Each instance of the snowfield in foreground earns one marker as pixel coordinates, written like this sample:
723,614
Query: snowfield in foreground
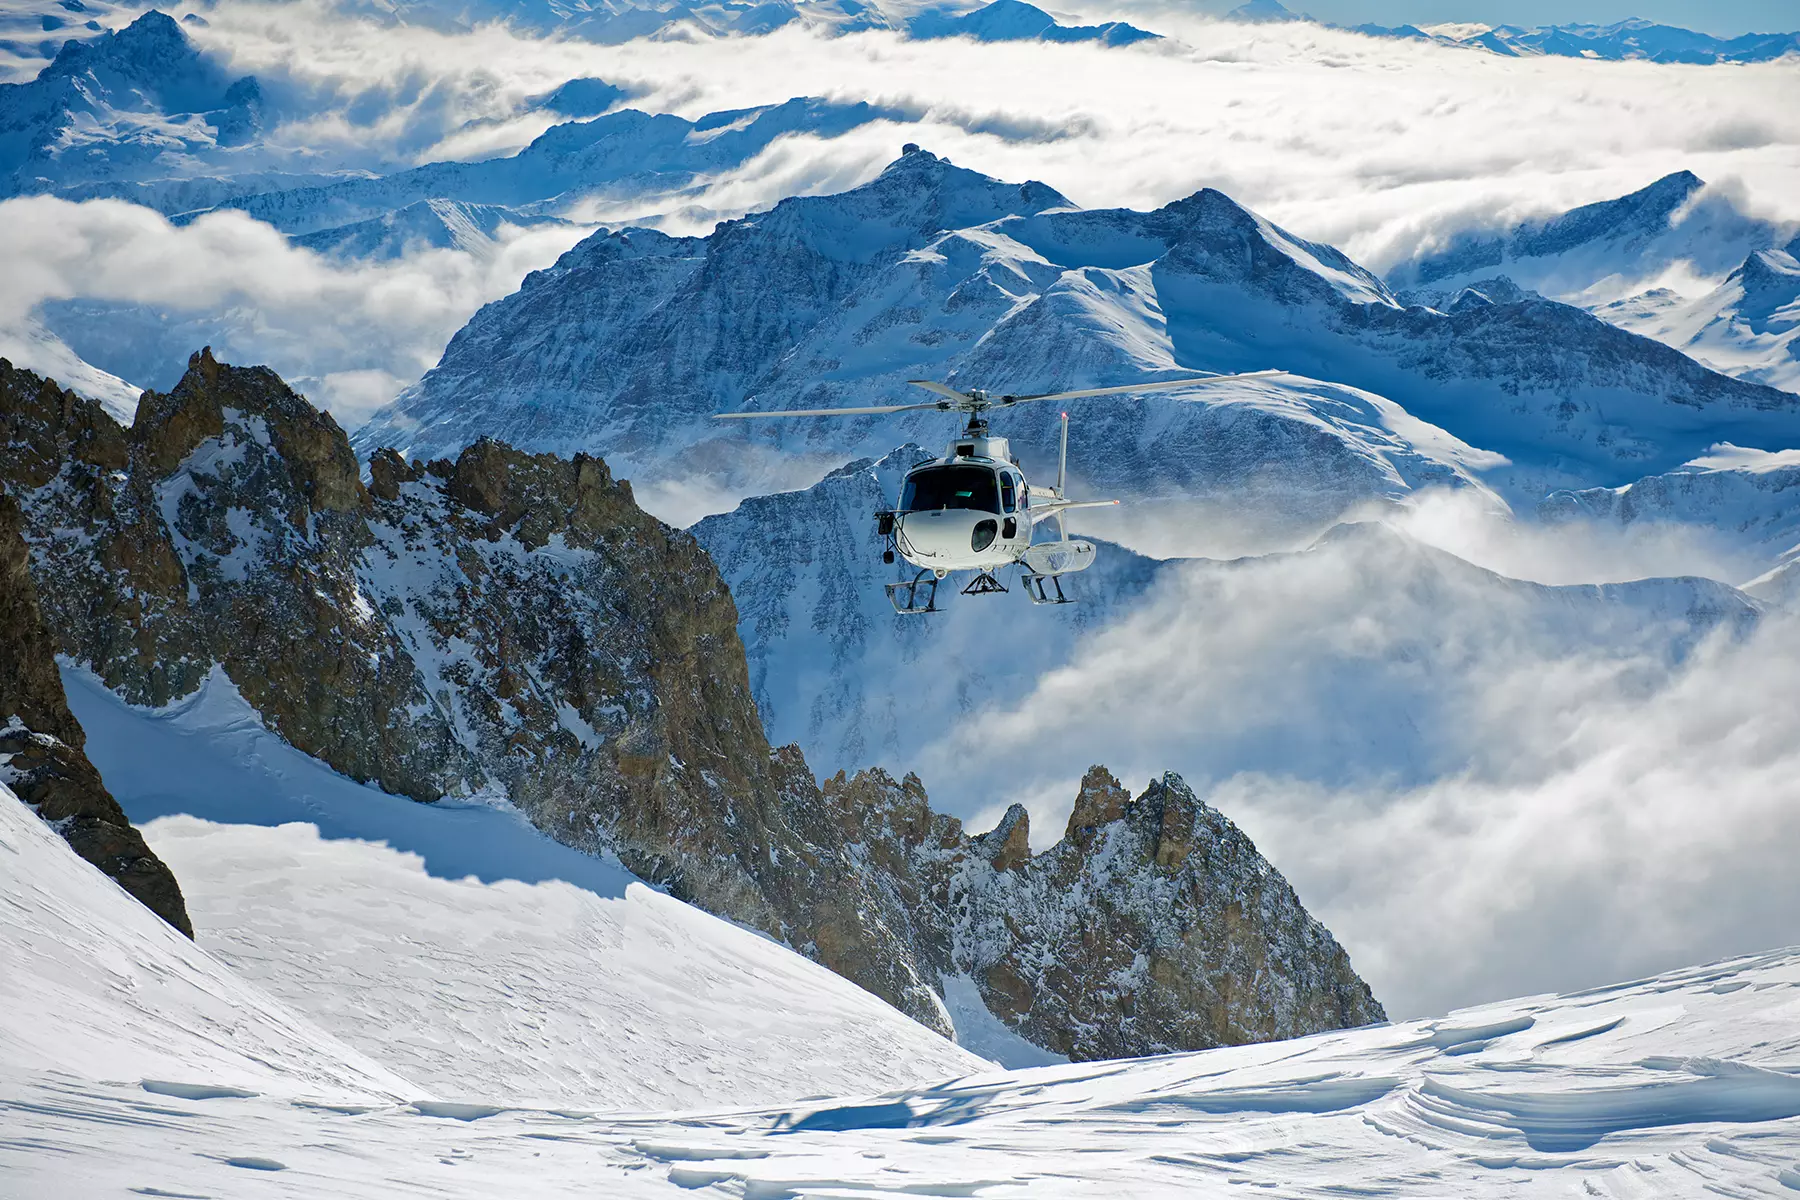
135,1062
1687,1084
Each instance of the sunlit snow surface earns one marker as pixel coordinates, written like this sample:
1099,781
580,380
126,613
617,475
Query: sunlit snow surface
468,952
1683,1085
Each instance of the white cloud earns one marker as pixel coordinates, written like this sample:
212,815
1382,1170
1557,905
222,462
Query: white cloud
349,333
1483,789
1372,144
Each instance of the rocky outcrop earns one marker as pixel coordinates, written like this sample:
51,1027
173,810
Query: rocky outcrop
41,757
513,625
1152,926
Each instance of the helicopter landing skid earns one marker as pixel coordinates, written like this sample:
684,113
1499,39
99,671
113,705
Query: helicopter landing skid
1037,593
905,597
984,584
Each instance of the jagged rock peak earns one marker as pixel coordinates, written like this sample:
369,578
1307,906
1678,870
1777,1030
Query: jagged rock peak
539,495
1008,845
1101,801
170,426
1161,899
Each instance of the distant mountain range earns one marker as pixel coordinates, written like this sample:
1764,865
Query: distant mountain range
1612,258
634,339
1629,39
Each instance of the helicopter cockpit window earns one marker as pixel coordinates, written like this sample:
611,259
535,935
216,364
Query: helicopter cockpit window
951,487
1008,497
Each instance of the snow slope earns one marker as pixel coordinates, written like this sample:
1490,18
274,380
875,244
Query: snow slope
465,950
98,986
1747,326
1681,1085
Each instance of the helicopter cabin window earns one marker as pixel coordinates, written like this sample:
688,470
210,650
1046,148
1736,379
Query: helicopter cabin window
950,487
1008,497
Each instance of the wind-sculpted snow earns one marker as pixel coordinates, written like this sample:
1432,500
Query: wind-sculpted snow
782,310
1678,1085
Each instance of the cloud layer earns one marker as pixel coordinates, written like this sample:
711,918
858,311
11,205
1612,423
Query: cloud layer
1372,144
1483,787
349,334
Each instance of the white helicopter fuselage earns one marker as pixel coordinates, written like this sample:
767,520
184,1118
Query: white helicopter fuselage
967,511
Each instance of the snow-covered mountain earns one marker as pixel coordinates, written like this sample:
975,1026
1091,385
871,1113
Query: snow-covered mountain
1753,495
626,153
1675,261
1633,38
1748,326
444,224
1016,21
616,21
633,339
137,103
1682,1079
1676,228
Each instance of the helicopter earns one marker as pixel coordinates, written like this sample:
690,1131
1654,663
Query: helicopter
972,509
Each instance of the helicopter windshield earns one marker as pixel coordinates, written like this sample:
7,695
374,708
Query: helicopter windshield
951,487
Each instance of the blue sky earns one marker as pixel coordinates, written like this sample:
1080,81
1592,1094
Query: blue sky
1724,17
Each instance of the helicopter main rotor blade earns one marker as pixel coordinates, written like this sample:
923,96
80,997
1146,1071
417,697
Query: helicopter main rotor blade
1123,389
828,412
944,390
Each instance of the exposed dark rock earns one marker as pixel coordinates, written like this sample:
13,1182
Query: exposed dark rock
1153,926
41,756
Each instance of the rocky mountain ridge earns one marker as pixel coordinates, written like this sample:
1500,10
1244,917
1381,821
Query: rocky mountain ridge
515,627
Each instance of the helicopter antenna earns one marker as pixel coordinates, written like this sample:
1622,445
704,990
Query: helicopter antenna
1062,470
1062,457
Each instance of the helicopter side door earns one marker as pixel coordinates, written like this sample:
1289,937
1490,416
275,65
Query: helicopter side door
1015,515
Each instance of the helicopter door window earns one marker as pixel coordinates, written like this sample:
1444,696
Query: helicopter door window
951,487
1008,497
